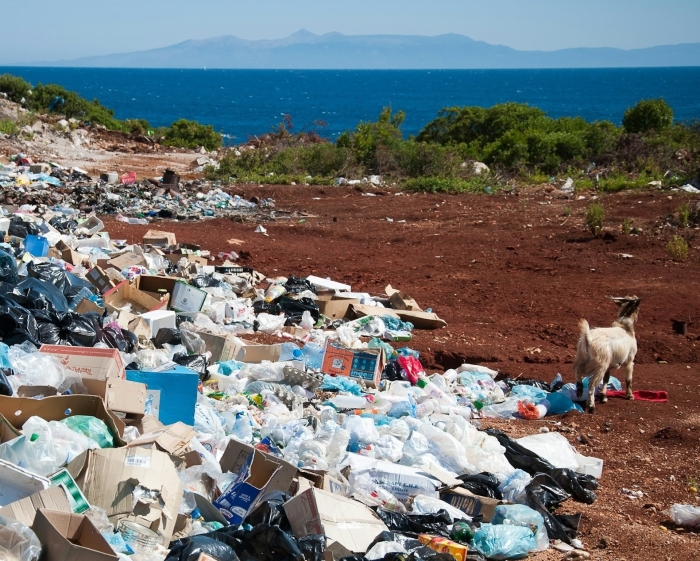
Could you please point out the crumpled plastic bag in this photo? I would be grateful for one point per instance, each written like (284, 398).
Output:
(92, 427)
(685, 515)
(17, 542)
(8, 268)
(521, 515)
(500, 541)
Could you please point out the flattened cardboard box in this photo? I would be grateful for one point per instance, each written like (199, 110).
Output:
(421, 320)
(24, 510)
(90, 363)
(348, 522)
(16, 411)
(152, 284)
(127, 260)
(364, 364)
(99, 279)
(471, 504)
(114, 478)
(173, 439)
(70, 537)
(237, 453)
(159, 238)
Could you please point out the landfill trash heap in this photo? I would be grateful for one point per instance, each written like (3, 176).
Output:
(138, 419)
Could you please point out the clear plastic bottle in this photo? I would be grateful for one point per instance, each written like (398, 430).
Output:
(290, 351)
(434, 391)
(313, 353)
(78, 298)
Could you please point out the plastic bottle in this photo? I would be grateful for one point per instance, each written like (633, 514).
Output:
(78, 298)
(427, 407)
(431, 389)
(313, 354)
(462, 532)
(348, 402)
(290, 351)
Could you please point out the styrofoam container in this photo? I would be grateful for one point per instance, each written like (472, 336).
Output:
(17, 483)
(158, 319)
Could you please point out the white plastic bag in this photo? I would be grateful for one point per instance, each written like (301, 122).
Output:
(553, 447)
(423, 504)
(267, 323)
(17, 542)
(381, 549)
(685, 515)
(513, 487)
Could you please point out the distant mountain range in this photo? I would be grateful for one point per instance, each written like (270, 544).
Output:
(305, 50)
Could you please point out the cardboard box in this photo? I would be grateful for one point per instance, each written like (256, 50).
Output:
(401, 301)
(126, 260)
(124, 293)
(236, 454)
(221, 348)
(336, 308)
(90, 363)
(70, 255)
(158, 238)
(16, 411)
(99, 279)
(87, 306)
(113, 479)
(7, 431)
(327, 284)
(70, 537)
(366, 364)
(174, 439)
(37, 392)
(187, 298)
(156, 286)
(191, 257)
(24, 510)
(171, 395)
(17, 483)
(348, 522)
(121, 396)
(421, 320)
(250, 485)
(471, 504)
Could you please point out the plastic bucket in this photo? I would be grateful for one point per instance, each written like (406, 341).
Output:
(38, 246)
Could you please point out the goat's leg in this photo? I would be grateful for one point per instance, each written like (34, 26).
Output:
(629, 367)
(593, 383)
(578, 372)
(604, 391)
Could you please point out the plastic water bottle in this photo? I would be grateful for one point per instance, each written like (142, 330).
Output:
(313, 354)
(78, 298)
(290, 351)
(434, 391)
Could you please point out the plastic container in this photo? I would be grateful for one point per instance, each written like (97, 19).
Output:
(290, 351)
(139, 538)
(38, 246)
(313, 354)
(83, 293)
(434, 391)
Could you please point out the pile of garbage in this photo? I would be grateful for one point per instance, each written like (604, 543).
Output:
(50, 186)
(138, 420)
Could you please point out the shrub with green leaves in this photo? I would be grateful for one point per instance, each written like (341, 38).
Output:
(595, 216)
(15, 88)
(648, 115)
(190, 134)
(683, 211)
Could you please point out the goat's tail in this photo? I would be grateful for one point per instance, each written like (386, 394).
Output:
(585, 334)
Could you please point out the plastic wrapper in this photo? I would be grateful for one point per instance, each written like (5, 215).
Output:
(198, 363)
(685, 515)
(422, 504)
(381, 549)
(411, 368)
(341, 384)
(294, 309)
(8, 268)
(371, 494)
(499, 541)
(543, 494)
(560, 403)
(580, 486)
(513, 488)
(36, 369)
(17, 542)
(268, 323)
(521, 515)
(192, 342)
(92, 427)
(270, 511)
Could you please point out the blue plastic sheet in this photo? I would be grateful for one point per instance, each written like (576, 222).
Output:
(341, 384)
(504, 541)
(560, 403)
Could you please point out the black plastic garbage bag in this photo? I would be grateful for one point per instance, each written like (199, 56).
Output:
(167, 335)
(5, 387)
(20, 229)
(269, 543)
(8, 268)
(433, 524)
(66, 282)
(205, 281)
(66, 329)
(294, 309)
(544, 495)
(198, 363)
(195, 546)
(295, 285)
(262, 307)
(392, 371)
(63, 225)
(113, 336)
(270, 511)
(312, 547)
(483, 484)
(36, 294)
(17, 324)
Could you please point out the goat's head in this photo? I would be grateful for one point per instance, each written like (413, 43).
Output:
(629, 307)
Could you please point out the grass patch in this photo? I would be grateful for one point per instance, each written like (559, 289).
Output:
(595, 216)
(683, 211)
(678, 249)
(8, 127)
(450, 185)
(626, 226)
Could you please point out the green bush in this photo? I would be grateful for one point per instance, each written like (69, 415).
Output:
(16, 88)
(648, 115)
(368, 137)
(8, 127)
(595, 216)
(678, 248)
(449, 185)
(190, 134)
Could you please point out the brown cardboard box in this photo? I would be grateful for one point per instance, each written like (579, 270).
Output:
(173, 439)
(17, 483)
(151, 284)
(348, 522)
(87, 306)
(127, 260)
(112, 479)
(159, 239)
(236, 454)
(363, 364)
(70, 537)
(24, 510)
(69, 255)
(471, 504)
(99, 279)
(336, 308)
(16, 411)
(90, 363)
(36, 391)
(401, 301)
(124, 293)
(176, 257)
(121, 396)
(421, 320)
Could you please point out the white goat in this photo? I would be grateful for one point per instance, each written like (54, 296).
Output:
(602, 349)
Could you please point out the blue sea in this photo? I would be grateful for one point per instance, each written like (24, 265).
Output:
(243, 103)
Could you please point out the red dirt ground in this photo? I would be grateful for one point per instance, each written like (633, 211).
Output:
(512, 275)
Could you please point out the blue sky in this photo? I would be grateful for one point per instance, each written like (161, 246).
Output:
(48, 30)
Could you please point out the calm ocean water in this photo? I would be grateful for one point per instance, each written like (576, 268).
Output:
(242, 103)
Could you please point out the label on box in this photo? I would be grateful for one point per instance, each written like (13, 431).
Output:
(153, 403)
(138, 461)
(77, 500)
(187, 298)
